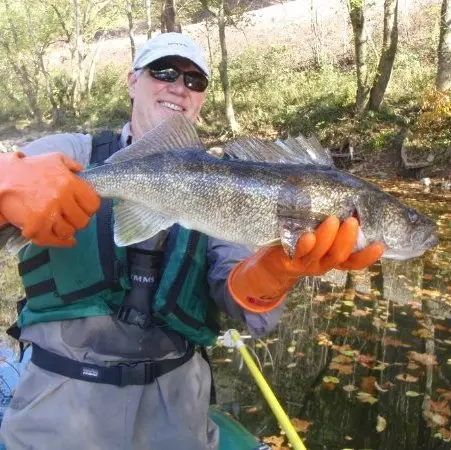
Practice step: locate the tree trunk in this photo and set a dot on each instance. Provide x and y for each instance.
(148, 6)
(443, 80)
(131, 31)
(357, 15)
(169, 22)
(317, 31)
(223, 72)
(389, 48)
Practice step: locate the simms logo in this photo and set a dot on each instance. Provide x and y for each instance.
(142, 279)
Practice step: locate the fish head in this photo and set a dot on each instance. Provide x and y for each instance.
(405, 232)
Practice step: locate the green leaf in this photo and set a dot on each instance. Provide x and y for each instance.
(412, 394)
(329, 379)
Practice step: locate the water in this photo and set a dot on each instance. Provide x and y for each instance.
(360, 362)
(364, 362)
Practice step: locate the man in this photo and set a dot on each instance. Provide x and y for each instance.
(94, 335)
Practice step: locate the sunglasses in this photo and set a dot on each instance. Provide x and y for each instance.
(194, 81)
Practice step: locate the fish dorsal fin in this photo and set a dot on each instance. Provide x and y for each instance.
(251, 149)
(290, 151)
(134, 223)
(317, 153)
(175, 133)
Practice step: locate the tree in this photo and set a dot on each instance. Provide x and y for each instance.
(443, 80)
(219, 9)
(357, 14)
(169, 20)
(366, 98)
(131, 31)
(27, 29)
(387, 58)
(148, 8)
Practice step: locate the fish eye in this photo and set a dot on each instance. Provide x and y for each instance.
(413, 216)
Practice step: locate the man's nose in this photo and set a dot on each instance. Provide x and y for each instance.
(178, 86)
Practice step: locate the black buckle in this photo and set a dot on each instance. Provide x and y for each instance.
(134, 317)
(137, 373)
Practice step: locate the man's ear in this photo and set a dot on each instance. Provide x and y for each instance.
(131, 81)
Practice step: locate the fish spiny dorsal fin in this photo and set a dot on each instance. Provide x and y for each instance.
(176, 133)
(249, 149)
(311, 149)
(290, 151)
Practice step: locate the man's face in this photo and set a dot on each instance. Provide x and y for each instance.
(155, 101)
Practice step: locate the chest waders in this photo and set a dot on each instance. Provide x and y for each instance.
(165, 286)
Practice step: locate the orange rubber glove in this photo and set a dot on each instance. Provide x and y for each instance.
(260, 282)
(43, 197)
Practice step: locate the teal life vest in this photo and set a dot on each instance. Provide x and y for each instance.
(91, 279)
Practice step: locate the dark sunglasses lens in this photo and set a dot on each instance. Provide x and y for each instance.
(169, 75)
(195, 81)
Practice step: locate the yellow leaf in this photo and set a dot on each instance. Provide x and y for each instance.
(381, 424)
(300, 425)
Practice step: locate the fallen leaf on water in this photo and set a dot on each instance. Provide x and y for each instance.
(350, 388)
(252, 410)
(342, 359)
(412, 394)
(345, 369)
(291, 365)
(446, 434)
(366, 398)
(412, 366)
(406, 377)
(385, 387)
(381, 424)
(291, 349)
(422, 358)
(388, 341)
(360, 313)
(441, 407)
(367, 384)
(329, 379)
(422, 333)
(439, 419)
(300, 425)
(276, 442)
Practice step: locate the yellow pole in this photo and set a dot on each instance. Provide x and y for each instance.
(277, 409)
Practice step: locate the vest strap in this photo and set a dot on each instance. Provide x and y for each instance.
(137, 373)
(44, 287)
(33, 263)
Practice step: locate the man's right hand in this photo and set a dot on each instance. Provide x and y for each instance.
(43, 197)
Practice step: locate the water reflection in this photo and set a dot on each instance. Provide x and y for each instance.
(363, 360)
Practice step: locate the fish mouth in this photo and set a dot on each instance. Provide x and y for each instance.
(407, 253)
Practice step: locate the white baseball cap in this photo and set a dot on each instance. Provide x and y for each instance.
(170, 44)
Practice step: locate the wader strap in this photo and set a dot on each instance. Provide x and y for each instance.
(138, 373)
(213, 400)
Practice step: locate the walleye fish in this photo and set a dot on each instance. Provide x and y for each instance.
(259, 194)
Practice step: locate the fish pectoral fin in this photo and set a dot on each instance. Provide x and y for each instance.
(271, 243)
(292, 228)
(11, 241)
(176, 133)
(135, 223)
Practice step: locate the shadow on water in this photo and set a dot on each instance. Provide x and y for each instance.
(359, 361)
